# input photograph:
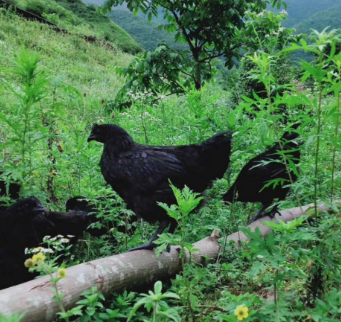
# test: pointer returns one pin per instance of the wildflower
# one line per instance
(47, 237)
(29, 263)
(60, 236)
(242, 312)
(38, 257)
(70, 236)
(53, 239)
(284, 12)
(47, 250)
(64, 240)
(36, 249)
(61, 272)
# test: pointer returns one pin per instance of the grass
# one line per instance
(78, 18)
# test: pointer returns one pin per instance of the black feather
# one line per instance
(260, 170)
(140, 173)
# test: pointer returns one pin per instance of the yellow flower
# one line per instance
(38, 257)
(29, 263)
(61, 272)
(242, 312)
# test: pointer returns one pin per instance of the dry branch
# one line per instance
(115, 273)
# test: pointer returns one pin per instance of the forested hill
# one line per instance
(300, 10)
(328, 18)
(96, 2)
(302, 14)
(143, 31)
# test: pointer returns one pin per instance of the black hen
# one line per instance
(12, 269)
(93, 209)
(24, 224)
(140, 173)
(265, 167)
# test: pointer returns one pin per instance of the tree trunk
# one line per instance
(116, 273)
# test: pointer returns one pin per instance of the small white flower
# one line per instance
(284, 12)
(47, 250)
(334, 73)
(46, 237)
(70, 236)
(60, 236)
(64, 240)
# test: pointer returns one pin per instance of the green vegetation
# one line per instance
(143, 31)
(300, 10)
(52, 85)
(226, 35)
(327, 18)
(82, 19)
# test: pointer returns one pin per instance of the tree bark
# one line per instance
(116, 273)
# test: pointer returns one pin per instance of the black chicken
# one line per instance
(267, 166)
(24, 224)
(12, 269)
(80, 203)
(140, 173)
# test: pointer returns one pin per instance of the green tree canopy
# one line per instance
(210, 28)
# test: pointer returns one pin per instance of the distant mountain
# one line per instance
(302, 14)
(143, 31)
(299, 10)
(95, 2)
(321, 20)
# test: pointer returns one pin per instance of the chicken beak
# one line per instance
(40, 208)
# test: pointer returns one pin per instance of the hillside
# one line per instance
(96, 2)
(148, 36)
(143, 31)
(328, 18)
(77, 17)
(299, 10)
(79, 82)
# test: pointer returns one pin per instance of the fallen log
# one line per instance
(286, 215)
(117, 273)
